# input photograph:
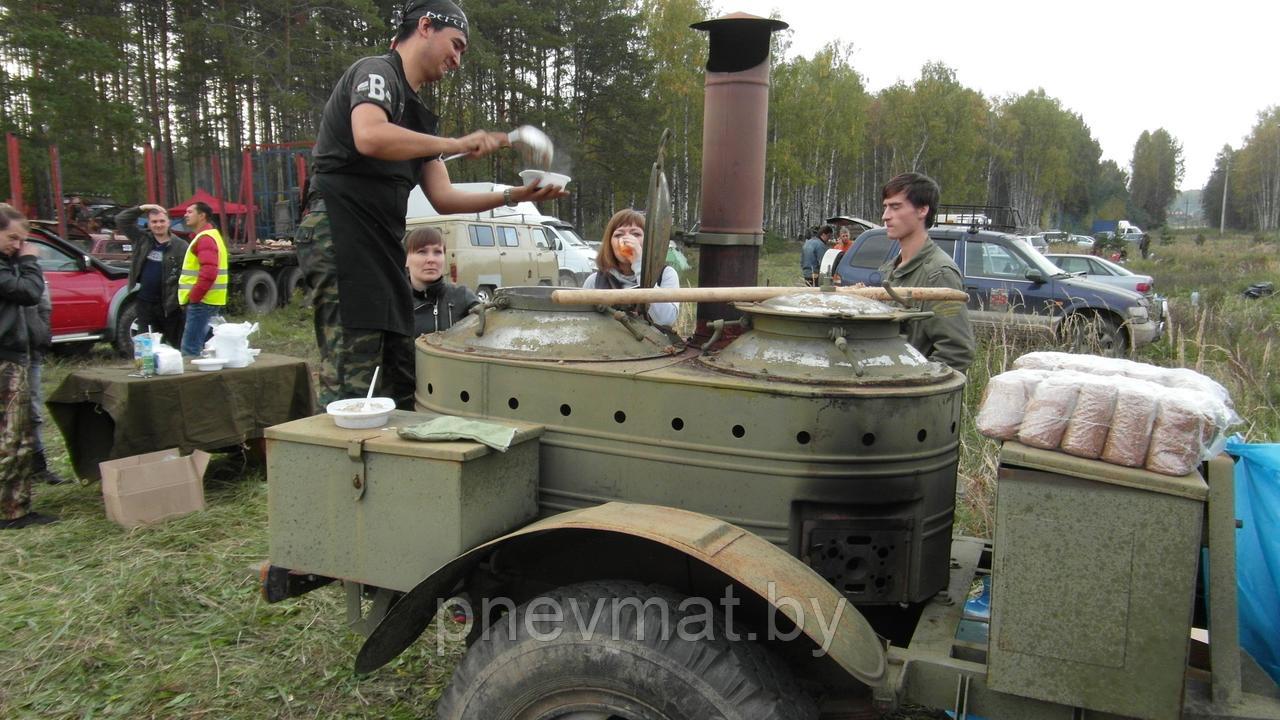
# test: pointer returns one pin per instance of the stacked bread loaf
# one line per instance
(1122, 412)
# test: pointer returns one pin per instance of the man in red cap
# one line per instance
(376, 141)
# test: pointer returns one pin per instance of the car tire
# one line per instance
(258, 291)
(485, 294)
(123, 340)
(1090, 333)
(287, 281)
(599, 657)
(568, 279)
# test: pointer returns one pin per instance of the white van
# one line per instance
(577, 259)
(490, 249)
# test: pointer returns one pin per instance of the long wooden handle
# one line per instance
(637, 296)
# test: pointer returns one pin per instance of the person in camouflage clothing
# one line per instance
(910, 205)
(21, 286)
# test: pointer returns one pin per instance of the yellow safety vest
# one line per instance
(217, 294)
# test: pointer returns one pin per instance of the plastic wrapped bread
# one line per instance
(1086, 433)
(1221, 409)
(1163, 419)
(1092, 365)
(1004, 402)
(1178, 438)
(1130, 434)
(1049, 410)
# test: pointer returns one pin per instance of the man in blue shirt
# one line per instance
(154, 270)
(811, 254)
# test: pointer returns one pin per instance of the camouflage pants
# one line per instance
(348, 356)
(16, 441)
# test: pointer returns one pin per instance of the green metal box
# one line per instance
(1093, 582)
(368, 506)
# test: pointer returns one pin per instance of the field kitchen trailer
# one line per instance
(762, 517)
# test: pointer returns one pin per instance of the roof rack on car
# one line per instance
(989, 217)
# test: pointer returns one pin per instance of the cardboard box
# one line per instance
(148, 488)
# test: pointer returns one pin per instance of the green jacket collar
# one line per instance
(925, 255)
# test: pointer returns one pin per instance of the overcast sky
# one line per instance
(1201, 70)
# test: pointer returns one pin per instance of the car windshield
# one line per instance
(1117, 269)
(571, 237)
(1040, 262)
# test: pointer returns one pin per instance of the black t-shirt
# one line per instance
(366, 198)
(151, 278)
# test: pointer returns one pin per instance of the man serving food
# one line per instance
(376, 141)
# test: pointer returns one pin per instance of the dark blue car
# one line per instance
(1012, 286)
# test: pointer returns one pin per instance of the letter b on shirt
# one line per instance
(374, 87)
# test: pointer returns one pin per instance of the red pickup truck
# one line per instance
(91, 300)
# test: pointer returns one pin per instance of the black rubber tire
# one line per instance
(568, 279)
(287, 283)
(123, 340)
(258, 291)
(1094, 334)
(625, 668)
(484, 293)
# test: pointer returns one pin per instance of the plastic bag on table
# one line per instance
(168, 360)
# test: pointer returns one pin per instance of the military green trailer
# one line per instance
(754, 524)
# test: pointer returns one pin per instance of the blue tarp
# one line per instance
(1258, 550)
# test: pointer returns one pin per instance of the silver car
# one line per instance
(1104, 271)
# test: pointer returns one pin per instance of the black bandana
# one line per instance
(443, 11)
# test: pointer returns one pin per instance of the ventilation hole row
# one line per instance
(677, 424)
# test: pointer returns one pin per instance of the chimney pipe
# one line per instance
(734, 131)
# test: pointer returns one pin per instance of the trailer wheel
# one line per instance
(568, 279)
(259, 291)
(287, 283)
(600, 650)
(484, 293)
(123, 341)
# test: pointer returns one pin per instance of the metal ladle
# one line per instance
(532, 144)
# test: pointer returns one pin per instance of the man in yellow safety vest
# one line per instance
(202, 286)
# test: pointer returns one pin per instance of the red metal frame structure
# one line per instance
(156, 176)
(15, 170)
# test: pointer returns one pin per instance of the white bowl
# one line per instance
(209, 364)
(359, 413)
(544, 178)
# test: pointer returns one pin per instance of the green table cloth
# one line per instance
(105, 414)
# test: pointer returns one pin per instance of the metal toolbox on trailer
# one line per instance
(1094, 575)
(368, 506)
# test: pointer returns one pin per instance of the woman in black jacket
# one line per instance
(437, 303)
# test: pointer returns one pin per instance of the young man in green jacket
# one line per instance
(910, 205)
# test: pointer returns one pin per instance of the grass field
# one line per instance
(96, 621)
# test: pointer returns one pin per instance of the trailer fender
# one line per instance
(754, 563)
